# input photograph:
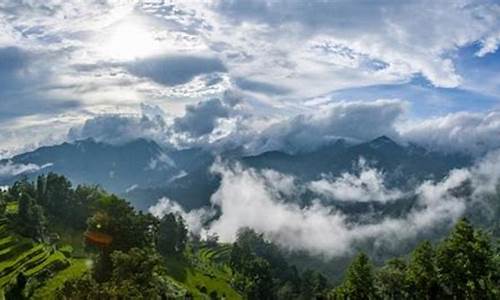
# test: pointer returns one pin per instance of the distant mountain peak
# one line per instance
(382, 141)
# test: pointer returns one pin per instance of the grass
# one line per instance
(48, 290)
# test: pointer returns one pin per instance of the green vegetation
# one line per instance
(75, 270)
(20, 255)
(105, 249)
(463, 266)
(201, 276)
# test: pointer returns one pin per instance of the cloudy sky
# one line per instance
(216, 72)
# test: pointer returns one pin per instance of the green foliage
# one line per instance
(128, 229)
(464, 266)
(255, 279)
(313, 285)
(198, 273)
(391, 280)
(31, 219)
(136, 274)
(3, 203)
(422, 272)
(172, 235)
(465, 263)
(260, 268)
(118, 219)
(16, 291)
(359, 283)
(48, 290)
(255, 243)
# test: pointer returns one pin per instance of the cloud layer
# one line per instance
(366, 186)
(74, 61)
(228, 123)
(8, 169)
(264, 201)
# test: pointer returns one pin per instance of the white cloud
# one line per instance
(248, 198)
(359, 121)
(119, 128)
(229, 123)
(10, 169)
(89, 58)
(408, 37)
(368, 185)
(470, 132)
(195, 219)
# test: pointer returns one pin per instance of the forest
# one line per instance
(58, 241)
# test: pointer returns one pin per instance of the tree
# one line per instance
(172, 234)
(359, 281)
(255, 243)
(83, 203)
(55, 194)
(238, 257)
(391, 282)
(465, 263)
(16, 290)
(31, 220)
(422, 272)
(136, 274)
(313, 285)
(258, 279)
(115, 218)
(3, 203)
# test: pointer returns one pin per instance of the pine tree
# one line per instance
(465, 263)
(422, 273)
(359, 281)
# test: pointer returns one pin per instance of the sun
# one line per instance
(128, 40)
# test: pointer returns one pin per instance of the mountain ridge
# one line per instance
(143, 171)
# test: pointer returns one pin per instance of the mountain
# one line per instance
(402, 164)
(115, 167)
(142, 171)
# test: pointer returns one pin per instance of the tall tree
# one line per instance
(3, 203)
(422, 272)
(172, 234)
(359, 281)
(31, 219)
(391, 280)
(465, 263)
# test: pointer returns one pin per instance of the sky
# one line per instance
(268, 75)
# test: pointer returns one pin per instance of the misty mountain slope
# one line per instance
(192, 188)
(143, 172)
(115, 167)
(401, 164)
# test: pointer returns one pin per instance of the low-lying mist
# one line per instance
(270, 203)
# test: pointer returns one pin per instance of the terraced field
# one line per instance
(206, 272)
(39, 262)
(219, 254)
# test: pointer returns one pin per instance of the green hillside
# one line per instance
(44, 266)
(47, 267)
(60, 242)
(203, 272)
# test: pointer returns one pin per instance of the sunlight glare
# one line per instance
(129, 41)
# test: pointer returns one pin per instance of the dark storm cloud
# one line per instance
(260, 87)
(175, 70)
(201, 118)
